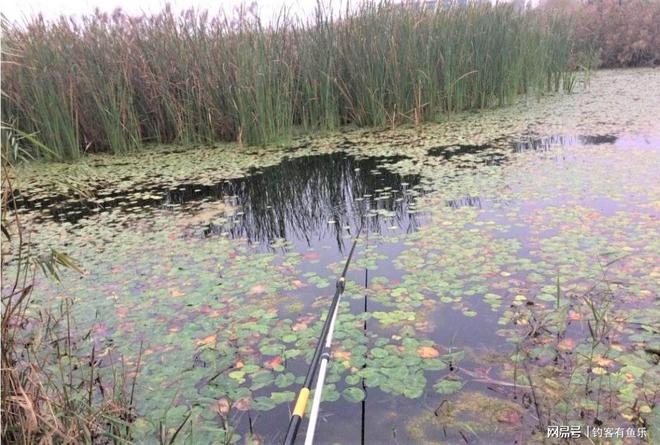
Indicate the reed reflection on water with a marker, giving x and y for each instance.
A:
(313, 198)
(303, 200)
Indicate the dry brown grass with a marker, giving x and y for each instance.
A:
(623, 33)
(53, 391)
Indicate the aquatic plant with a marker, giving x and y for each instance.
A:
(583, 371)
(114, 82)
(228, 326)
(53, 389)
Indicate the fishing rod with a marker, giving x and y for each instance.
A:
(321, 356)
(363, 404)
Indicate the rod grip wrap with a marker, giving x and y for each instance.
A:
(301, 403)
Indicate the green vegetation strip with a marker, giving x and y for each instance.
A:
(115, 82)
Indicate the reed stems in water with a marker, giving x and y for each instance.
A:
(114, 82)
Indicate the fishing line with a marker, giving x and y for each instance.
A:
(366, 310)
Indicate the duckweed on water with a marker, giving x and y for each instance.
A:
(545, 276)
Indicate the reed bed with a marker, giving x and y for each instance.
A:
(114, 82)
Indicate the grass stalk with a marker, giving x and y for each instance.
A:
(112, 83)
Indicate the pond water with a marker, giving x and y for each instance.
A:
(506, 277)
(305, 200)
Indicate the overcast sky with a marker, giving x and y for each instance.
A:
(19, 10)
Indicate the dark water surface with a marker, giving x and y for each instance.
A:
(303, 200)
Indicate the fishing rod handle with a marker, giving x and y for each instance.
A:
(301, 403)
(292, 431)
(318, 391)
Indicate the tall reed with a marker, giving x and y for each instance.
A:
(114, 82)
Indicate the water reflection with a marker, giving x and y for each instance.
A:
(302, 200)
(467, 201)
(316, 197)
(545, 143)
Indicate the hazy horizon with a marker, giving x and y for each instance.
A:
(53, 9)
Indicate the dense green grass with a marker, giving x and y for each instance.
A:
(113, 83)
